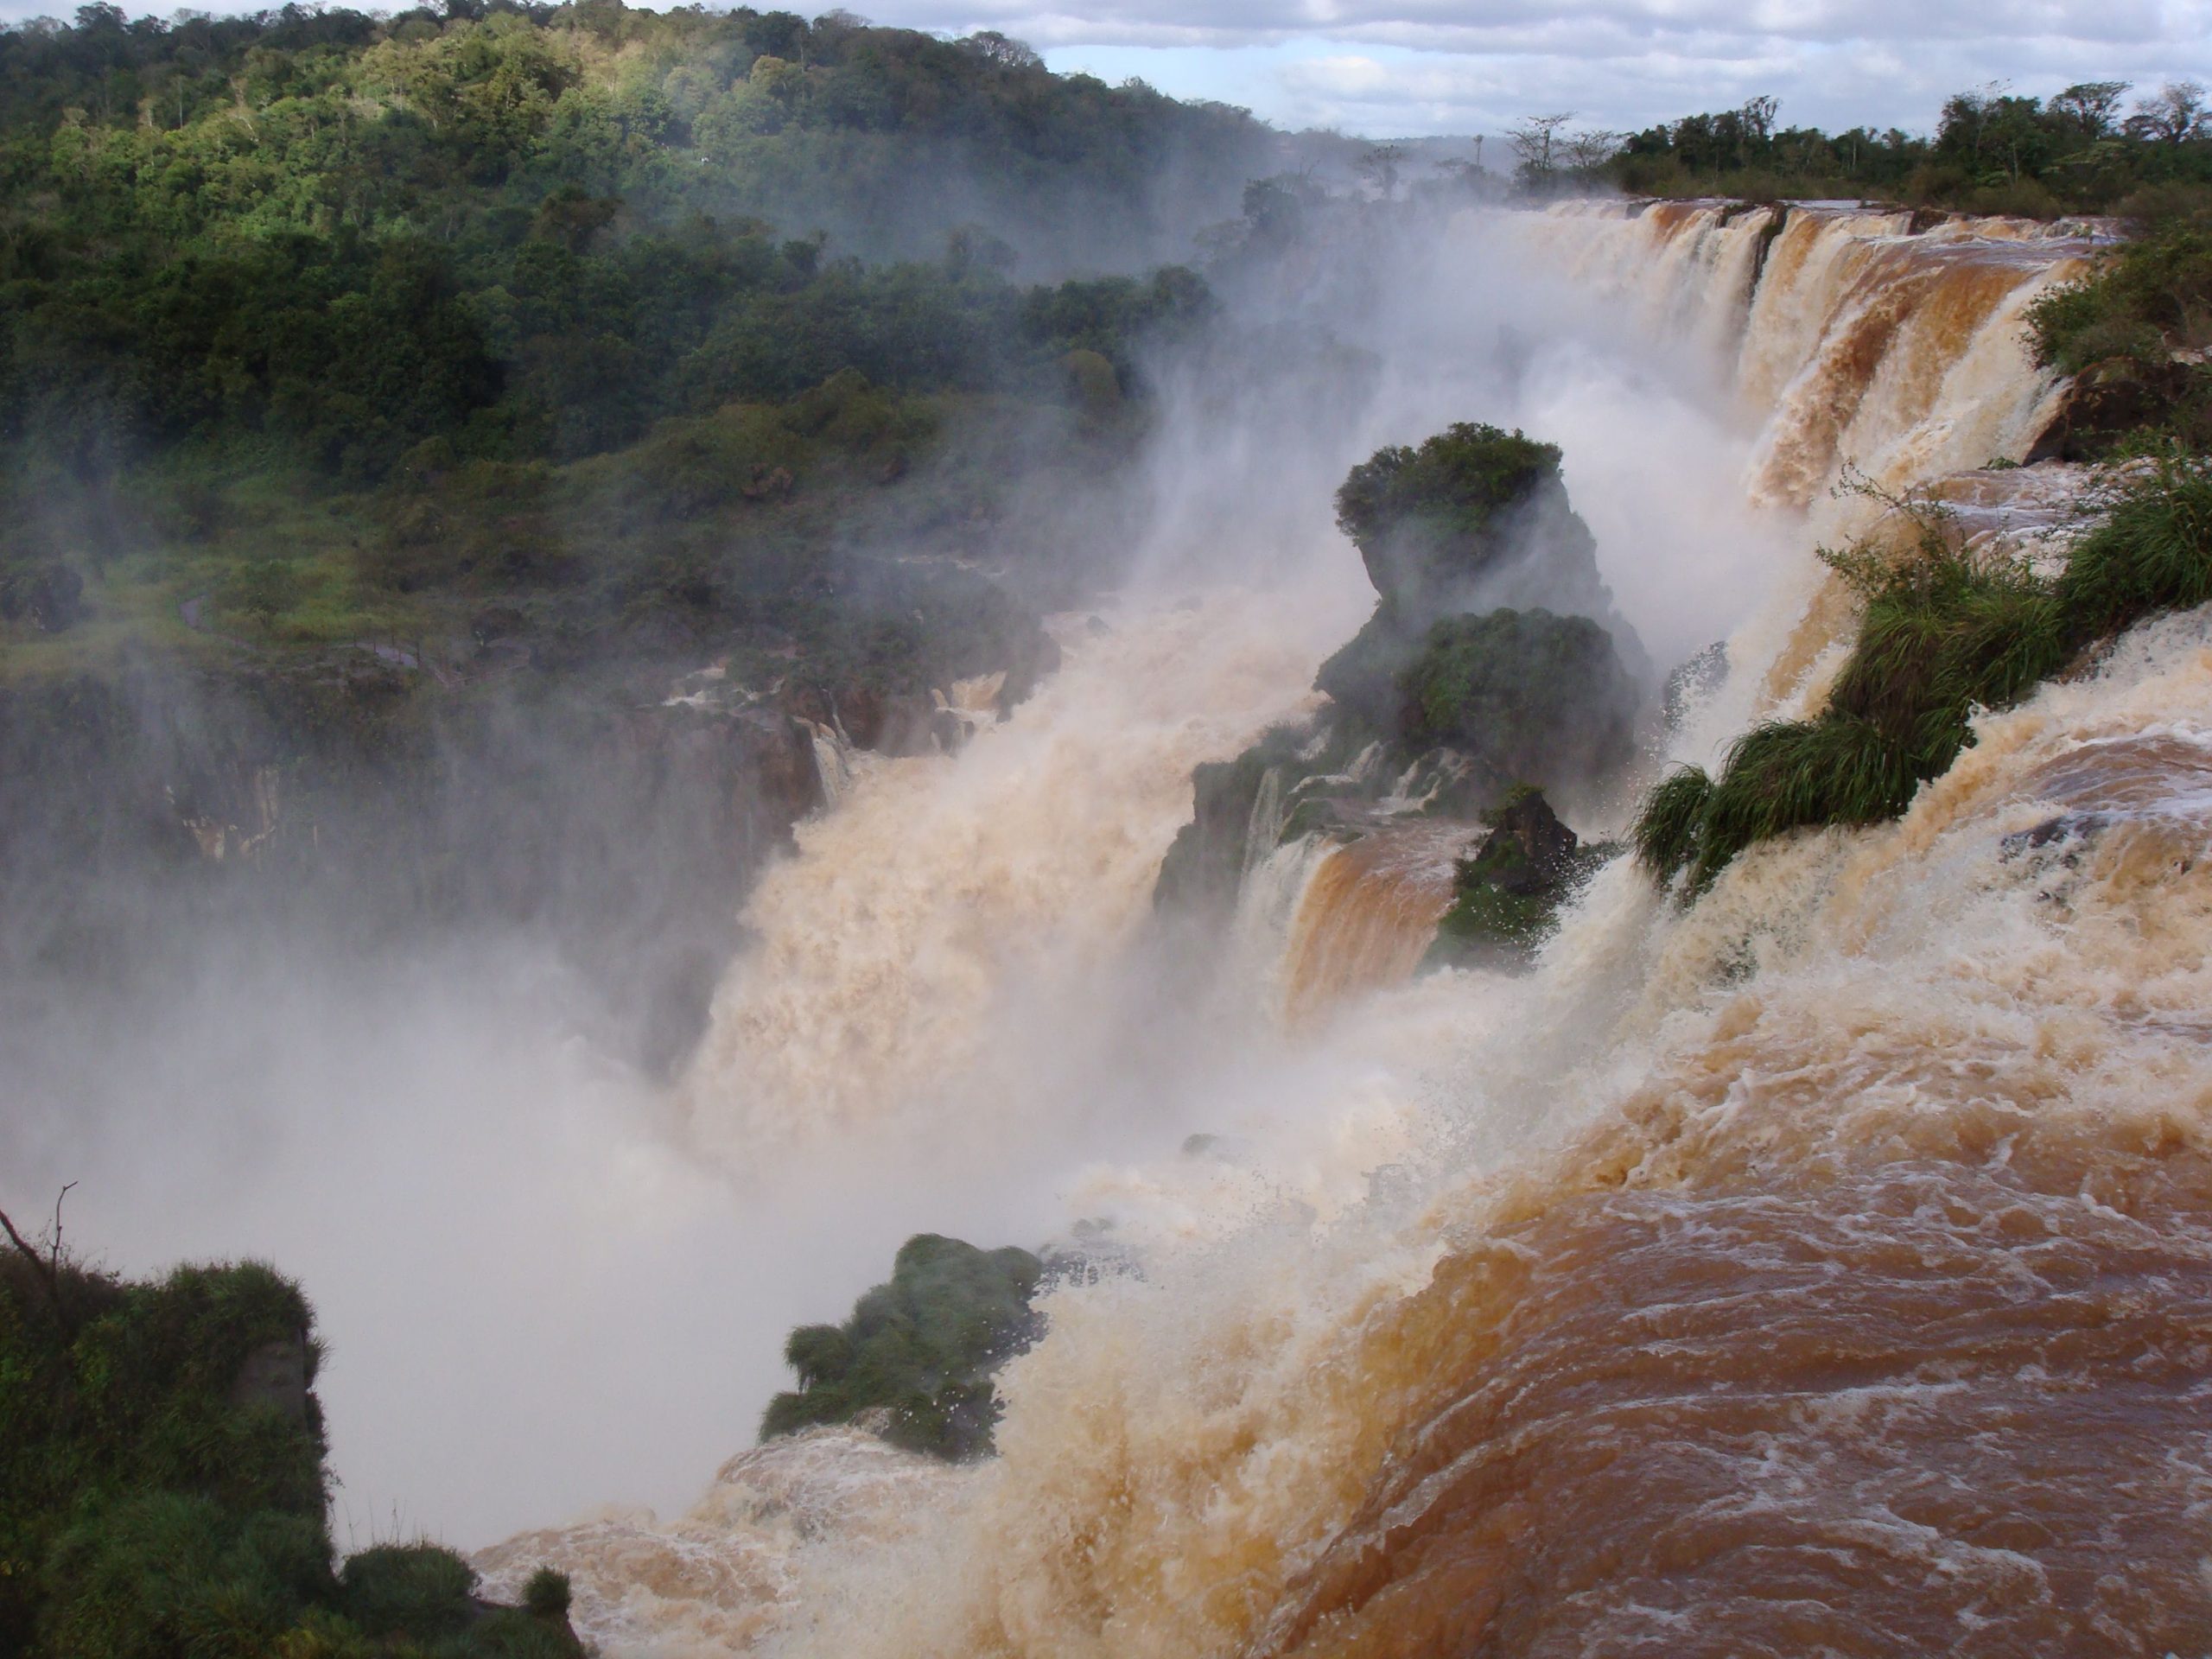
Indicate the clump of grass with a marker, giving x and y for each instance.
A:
(417, 1590)
(2153, 552)
(1666, 834)
(1947, 630)
(547, 1594)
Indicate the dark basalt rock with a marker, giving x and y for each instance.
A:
(1506, 898)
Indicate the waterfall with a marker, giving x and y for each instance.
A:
(1804, 1270)
(1368, 915)
(908, 949)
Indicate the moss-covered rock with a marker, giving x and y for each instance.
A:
(1492, 655)
(1475, 517)
(1233, 810)
(921, 1346)
(1535, 695)
(1506, 898)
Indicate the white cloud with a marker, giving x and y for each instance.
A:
(1467, 65)
(1376, 65)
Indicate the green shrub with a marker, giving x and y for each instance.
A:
(1946, 631)
(547, 1594)
(162, 1573)
(2153, 551)
(1506, 898)
(1793, 774)
(1533, 695)
(163, 1491)
(923, 1345)
(1431, 520)
(419, 1591)
(2125, 330)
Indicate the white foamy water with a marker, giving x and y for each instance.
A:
(1296, 1430)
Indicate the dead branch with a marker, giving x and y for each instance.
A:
(47, 1267)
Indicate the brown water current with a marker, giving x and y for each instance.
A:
(1823, 1268)
(1368, 914)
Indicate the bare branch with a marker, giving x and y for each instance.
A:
(46, 1268)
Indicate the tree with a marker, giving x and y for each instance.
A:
(2176, 114)
(1003, 49)
(1757, 115)
(1588, 151)
(1533, 138)
(2088, 106)
(1378, 165)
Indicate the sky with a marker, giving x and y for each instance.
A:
(1410, 67)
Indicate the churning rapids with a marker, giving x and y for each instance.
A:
(1825, 1268)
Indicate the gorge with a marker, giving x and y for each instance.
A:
(1821, 1264)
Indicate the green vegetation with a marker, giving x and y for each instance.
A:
(921, 1347)
(2135, 337)
(2088, 148)
(1531, 694)
(1527, 693)
(1947, 630)
(339, 328)
(1478, 514)
(1435, 708)
(1429, 522)
(161, 1450)
(1505, 899)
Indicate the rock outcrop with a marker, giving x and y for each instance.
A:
(1493, 661)
(1505, 898)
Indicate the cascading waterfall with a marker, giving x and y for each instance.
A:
(902, 954)
(1802, 1271)
(1368, 915)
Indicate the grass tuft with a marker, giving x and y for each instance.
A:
(1948, 630)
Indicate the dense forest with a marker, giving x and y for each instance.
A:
(318, 313)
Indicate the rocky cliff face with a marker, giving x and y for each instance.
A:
(619, 808)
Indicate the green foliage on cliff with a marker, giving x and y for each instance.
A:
(1535, 694)
(1505, 899)
(1946, 631)
(1429, 518)
(1451, 487)
(161, 1455)
(2135, 335)
(921, 1346)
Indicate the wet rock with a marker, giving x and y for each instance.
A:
(2052, 832)
(1505, 898)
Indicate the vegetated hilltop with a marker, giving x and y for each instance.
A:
(325, 311)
